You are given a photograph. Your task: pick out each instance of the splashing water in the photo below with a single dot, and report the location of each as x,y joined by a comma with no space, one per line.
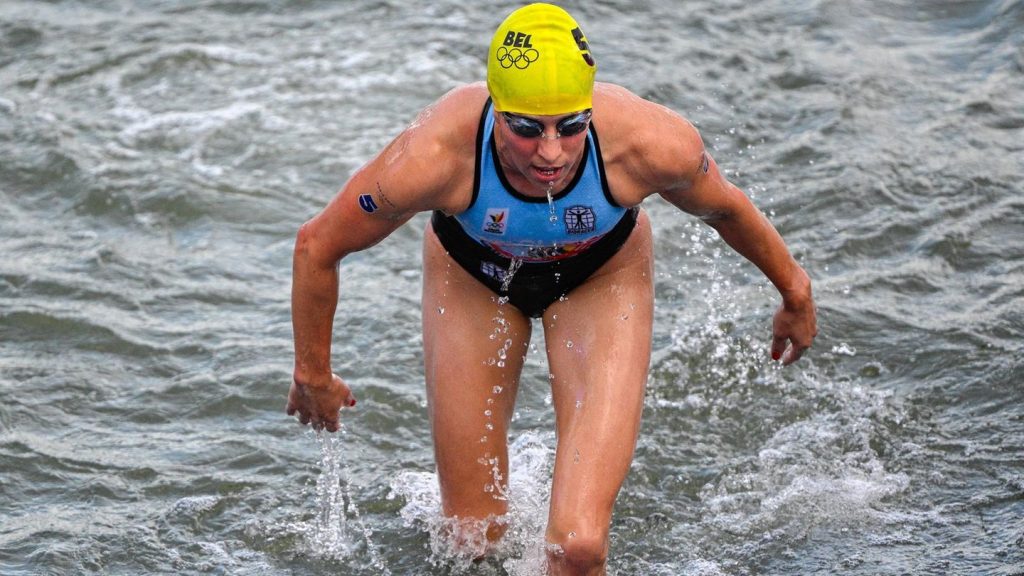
551,206
513,267
337,527
522,551
730,357
811,465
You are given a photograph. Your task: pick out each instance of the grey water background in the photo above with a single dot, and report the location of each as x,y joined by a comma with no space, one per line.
157,157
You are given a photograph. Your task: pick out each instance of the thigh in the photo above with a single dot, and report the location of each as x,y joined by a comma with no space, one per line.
599,346
474,349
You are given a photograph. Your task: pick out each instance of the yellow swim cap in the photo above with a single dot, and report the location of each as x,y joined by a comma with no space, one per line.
540,63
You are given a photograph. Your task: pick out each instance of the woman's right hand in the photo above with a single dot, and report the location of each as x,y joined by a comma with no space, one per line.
319,403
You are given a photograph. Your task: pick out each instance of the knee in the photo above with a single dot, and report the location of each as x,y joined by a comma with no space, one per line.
578,553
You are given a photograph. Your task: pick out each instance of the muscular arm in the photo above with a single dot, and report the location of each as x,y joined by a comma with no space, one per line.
422,169
341,228
727,209
697,186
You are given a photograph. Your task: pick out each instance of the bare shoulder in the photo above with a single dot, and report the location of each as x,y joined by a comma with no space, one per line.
453,117
430,164
647,147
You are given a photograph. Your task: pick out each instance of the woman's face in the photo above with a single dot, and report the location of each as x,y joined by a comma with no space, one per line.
541,153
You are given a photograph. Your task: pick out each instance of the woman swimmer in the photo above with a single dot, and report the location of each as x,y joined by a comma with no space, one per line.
533,216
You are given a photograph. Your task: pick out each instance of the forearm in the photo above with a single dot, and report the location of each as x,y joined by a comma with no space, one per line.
750,233
314,301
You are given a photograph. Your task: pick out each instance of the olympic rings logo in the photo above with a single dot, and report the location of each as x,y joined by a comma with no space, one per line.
516,57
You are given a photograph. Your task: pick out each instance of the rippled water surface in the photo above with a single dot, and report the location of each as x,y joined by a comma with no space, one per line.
157,157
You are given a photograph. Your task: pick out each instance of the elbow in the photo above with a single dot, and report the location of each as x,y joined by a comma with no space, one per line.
714,217
304,240
722,221
310,247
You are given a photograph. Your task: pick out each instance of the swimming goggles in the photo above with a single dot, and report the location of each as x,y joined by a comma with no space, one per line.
530,128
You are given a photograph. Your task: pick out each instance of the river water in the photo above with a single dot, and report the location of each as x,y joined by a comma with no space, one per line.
157,158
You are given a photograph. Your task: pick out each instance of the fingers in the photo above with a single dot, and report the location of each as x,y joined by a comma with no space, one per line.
318,424
792,334
792,355
348,399
320,406
788,354
778,347
329,425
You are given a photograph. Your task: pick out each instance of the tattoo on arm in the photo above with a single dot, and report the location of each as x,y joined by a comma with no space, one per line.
384,197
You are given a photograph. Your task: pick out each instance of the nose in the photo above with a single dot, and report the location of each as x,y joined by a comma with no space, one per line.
549,149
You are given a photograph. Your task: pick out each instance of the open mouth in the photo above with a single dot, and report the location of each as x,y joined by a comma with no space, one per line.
547,174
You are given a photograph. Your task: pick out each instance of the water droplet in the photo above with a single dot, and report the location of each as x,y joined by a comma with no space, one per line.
579,404
497,389
440,309
555,550
576,457
513,267
844,349
488,413
572,534
568,344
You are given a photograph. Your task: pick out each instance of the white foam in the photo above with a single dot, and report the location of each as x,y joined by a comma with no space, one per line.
337,530
844,349
193,506
531,457
816,472
192,122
